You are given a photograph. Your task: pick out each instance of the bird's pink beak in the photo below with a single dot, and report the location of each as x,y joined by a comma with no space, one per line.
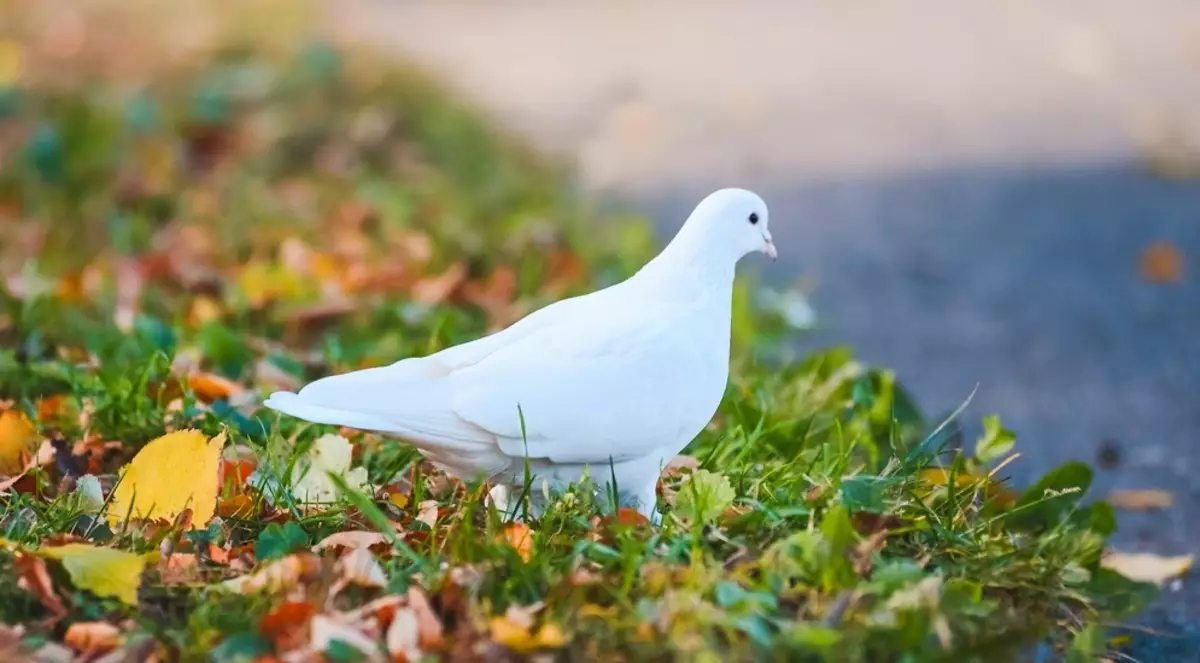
769,247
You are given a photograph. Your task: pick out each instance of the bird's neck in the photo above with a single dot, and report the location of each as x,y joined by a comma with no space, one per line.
691,270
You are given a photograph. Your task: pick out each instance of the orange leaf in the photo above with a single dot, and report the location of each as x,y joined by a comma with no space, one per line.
92,638
210,387
238,506
234,473
1161,262
519,536
287,624
17,434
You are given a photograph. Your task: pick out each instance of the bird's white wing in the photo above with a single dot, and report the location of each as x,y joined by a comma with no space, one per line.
591,399
589,387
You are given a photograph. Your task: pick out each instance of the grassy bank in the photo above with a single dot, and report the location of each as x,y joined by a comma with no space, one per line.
195,218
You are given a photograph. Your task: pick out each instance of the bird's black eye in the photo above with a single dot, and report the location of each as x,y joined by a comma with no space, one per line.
753,217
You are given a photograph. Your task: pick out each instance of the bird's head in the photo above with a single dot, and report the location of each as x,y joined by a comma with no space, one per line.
735,220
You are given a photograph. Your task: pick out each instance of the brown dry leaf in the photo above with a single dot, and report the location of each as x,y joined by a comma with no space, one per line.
1141,500
352,540
1161,262
519,536
495,296
277,576
92,638
430,632
34,577
359,567
238,506
180,568
437,289
320,313
17,434
287,625
1147,567
680,464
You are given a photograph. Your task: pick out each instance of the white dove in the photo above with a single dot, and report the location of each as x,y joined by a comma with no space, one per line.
612,384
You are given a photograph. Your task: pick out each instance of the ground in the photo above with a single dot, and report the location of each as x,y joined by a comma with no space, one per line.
967,188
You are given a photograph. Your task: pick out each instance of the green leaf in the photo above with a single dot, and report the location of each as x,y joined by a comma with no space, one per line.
241,648
704,496
838,529
277,541
1051,498
866,492
997,441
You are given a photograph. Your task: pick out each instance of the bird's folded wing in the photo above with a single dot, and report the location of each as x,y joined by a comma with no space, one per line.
586,409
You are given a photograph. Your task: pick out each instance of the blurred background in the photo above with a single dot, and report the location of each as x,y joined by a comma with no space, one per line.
992,194
1003,195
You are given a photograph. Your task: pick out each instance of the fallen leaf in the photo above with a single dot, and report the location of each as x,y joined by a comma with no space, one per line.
519,637
352,540
92,638
429,626
239,506
681,464
17,434
427,512
1161,262
330,454
1147,567
437,289
704,496
519,536
204,309
280,575
174,472
1141,500
34,578
403,635
326,629
287,625
210,387
360,567
101,571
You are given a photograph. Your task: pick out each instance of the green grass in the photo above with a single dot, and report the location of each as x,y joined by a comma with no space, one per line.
828,520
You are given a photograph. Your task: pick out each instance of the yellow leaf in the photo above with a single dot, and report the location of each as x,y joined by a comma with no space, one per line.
101,571
398,499
175,472
512,635
16,436
1147,567
10,62
550,636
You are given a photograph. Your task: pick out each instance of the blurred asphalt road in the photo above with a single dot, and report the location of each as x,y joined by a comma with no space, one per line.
964,181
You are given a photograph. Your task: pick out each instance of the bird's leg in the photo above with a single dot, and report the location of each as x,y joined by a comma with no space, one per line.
644,499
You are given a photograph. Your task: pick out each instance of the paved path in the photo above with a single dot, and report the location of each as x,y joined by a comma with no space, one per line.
965,185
